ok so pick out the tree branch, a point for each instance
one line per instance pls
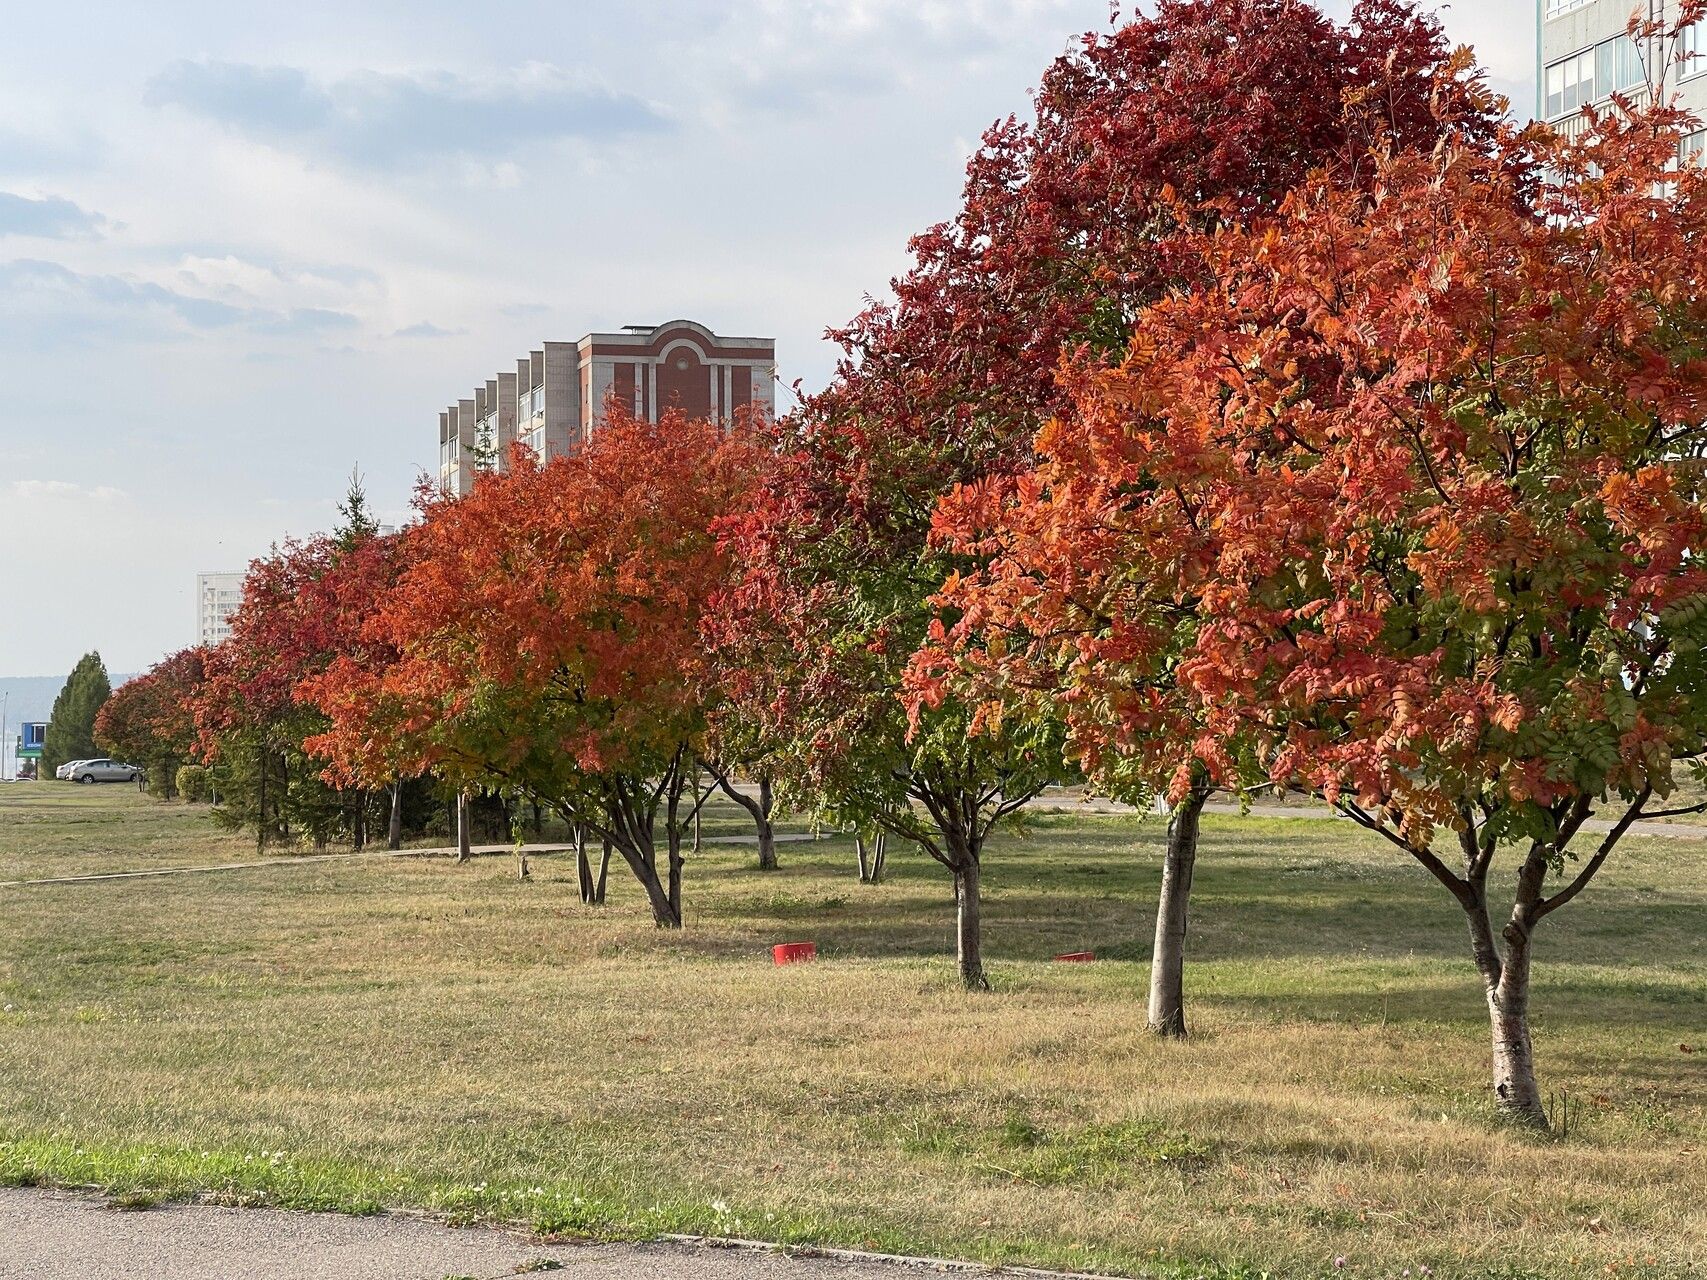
(1593, 865)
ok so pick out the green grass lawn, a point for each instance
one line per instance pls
(413, 1032)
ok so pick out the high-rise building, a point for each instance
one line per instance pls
(554, 399)
(217, 598)
(1585, 55)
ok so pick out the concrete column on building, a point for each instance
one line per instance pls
(536, 381)
(444, 451)
(562, 366)
(465, 435)
(506, 416)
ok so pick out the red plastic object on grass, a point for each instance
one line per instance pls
(1076, 957)
(794, 952)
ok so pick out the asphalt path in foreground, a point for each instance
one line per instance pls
(48, 1235)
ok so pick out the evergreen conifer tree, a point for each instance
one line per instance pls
(71, 725)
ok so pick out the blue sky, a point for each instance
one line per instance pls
(244, 249)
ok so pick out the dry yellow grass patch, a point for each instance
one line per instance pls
(418, 1032)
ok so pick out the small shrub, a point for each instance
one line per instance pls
(194, 784)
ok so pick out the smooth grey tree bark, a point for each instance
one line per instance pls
(758, 808)
(872, 855)
(603, 877)
(1505, 970)
(968, 933)
(767, 834)
(464, 837)
(1167, 956)
(583, 867)
(394, 837)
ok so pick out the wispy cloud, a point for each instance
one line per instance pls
(390, 120)
(47, 217)
(64, 490)
(427, 329)
(47, 302)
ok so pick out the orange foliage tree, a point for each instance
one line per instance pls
(547, 632)
(304, 606)
(151, 719)
(1062, 236)
(1403, 506)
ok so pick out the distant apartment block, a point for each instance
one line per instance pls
(217, 598)
(555, 398)
(1586, 56)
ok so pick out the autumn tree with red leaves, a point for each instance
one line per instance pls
(548, 639)
(1405, 505)
(151, 719)
(304, 607)
(1066, 231)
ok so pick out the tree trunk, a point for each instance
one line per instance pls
(665, 902)
(604, 877)
(969, 944)
(583, 868)
(394, 838)
(464, 837)
(872, 856)
(767, 834)
(1167, 958)
(1515, 1087)
(1505, 980)
(675, 855)
(261, 804)
(760, 811)
(358, 836)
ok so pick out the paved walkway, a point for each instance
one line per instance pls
(57, 1236)
(1069, 802)
(309, 859)
(1063, 803)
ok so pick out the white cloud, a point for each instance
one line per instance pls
(63, 491)
(305, 189)
(389, 120)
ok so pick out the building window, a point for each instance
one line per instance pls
(1693, 47)
(1694, 147)
(1609, 67)
(1556, 7)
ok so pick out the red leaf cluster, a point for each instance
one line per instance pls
(554, 613)
(1404, 500)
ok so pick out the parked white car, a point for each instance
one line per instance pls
(104, 771)
(63, 773)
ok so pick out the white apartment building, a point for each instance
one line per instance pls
(1584, 56)
(556, 396)
(217, 598)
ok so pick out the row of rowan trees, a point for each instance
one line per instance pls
(1273, 415)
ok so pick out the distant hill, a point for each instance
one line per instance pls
(32, 698)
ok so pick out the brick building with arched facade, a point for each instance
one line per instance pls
(557, 394)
